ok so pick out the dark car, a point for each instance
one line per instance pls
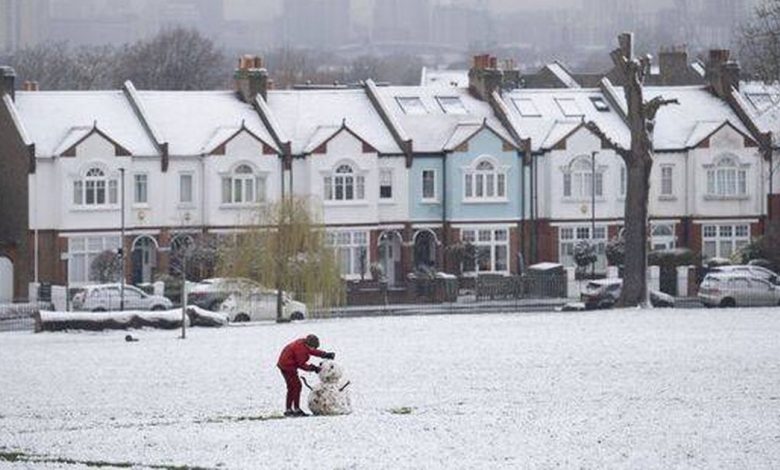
(604, 293)
(210, 293)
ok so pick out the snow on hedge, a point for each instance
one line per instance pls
(119, 320)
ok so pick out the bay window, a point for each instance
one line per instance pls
(727, 178)
(579, 181)
(82, 252)
(344, 185)
(492, 249)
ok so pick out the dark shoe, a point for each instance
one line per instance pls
(289, 413)
(300, 413)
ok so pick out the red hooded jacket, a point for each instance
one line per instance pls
(296, 355)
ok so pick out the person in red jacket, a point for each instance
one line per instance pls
(296, 356)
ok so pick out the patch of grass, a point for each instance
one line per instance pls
(11, 456)
(238, 419)
(402, 410)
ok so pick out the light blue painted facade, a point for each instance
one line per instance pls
(425, 210)
(485, 146)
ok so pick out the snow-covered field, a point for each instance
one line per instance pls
(620, 389)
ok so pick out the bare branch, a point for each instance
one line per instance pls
(595, 129)
(652, 106)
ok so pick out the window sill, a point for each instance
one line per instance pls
(667, 197)
(486, 201)
(713, 197)
(141, 205)
(235, 206)
(576, 200)
(190, 205)
(353, 203)
(430, 201)
(387, 202)
(95, 208)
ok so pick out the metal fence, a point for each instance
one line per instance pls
(20, 316)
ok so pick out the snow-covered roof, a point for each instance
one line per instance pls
(191, 121)
(698, 114)
(560, 72)
(547, 116)
(52, 119)
(444, 78)
(425, 120)
(310, 117)
(762, 102)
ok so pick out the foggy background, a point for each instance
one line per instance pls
(436, 33)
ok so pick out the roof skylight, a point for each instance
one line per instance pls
(411, 104)
(526, 107)
(451, 105)
(569, 107)
(599, 103)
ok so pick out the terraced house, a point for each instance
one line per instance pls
(402, 175)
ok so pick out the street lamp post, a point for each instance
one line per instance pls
(122, 243)
(593, 208)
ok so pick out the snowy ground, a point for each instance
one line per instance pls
(625, 389)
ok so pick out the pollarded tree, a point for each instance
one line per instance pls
(288, 250)
(640, 117)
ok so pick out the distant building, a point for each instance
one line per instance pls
(23, 23)
(315, 23)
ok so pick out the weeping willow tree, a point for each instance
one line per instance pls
(288, 250)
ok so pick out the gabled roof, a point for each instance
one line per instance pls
(548, 116)
(190, 120)
(223, 135)
(464, 132)
(52, 118)
(699, 113)
(761, 101)
(310, 117)
(431, 131)
(78, 134)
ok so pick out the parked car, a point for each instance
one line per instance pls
(210, 293)
(749, 270)
(107, 297)
(737, 289)
(604, 293)
(261, 306)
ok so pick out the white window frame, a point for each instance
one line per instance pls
(451, 105)
(570, 235)
(237, 185)
(578, 180)
(727, 179)
(667, 181)
(191, 200)
(82, 251)
(345, 184)
(386, 181)
(485, 184)
(412, 105)
(662, 236)
(350, 246)
(93, 183)
(140, 188)
(723, 240)
(435, 196)
(492, 241)
(623, 180)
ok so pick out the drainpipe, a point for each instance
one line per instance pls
(444, 228)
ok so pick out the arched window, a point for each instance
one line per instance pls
(485, 181)
(579, 181)
(94, 188)
(344, 185)
(726, 178)
(243, 186)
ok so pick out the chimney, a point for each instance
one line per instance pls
(485, 76)
(251, 78)
(673, 66)
(30, 86)
(7, 79)
(722, 73)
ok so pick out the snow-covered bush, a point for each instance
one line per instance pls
(584, 255)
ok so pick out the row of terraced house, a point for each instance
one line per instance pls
(400, 173)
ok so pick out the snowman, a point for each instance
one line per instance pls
(330, 396)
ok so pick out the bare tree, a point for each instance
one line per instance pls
(759, 42)
(56, 66)
(639, 164)
(175, 59)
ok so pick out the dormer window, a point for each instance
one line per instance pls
(599, 104)
(411, 105)
(451, 105)
(485, 181)
(344, 185)
(95, 189)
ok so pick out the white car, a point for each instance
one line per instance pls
(107, 297)
(735, 289)
(261, 306)
(750, 271)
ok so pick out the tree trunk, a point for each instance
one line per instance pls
(635, 233)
